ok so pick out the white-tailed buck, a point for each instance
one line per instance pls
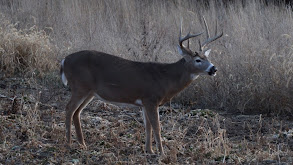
(124, 82)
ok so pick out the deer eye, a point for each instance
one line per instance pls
(198, 60)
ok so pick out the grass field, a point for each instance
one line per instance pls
(243, 115)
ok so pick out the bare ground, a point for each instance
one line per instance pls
(32, 131)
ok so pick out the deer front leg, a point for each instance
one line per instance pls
(76, 120)
(70, 109)
(72, 106)
(148, 131)
(153, 116)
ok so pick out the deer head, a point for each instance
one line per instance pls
(197, 62)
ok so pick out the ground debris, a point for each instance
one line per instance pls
(35, 134)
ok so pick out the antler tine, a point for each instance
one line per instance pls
(216, 27)
(180, 43)
(209, 40)
(206, 27)
(188, 36)
(200, 49)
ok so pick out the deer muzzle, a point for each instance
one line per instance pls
(212, 71)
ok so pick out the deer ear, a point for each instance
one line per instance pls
(180, 50)
(206, 53)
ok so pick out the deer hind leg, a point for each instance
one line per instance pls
(153, 116)
(76, 120)
(148, 131)
(74, 103)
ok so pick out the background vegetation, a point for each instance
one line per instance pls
(254, 59)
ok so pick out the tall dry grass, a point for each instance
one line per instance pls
(254, 57)
(27, 51)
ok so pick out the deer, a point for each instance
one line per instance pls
(119, 81)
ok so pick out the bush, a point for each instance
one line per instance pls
(29, 51)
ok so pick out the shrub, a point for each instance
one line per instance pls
(28, 51)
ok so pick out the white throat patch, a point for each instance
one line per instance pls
(193, 76)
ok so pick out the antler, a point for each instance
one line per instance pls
(188, 36)
(209, 40)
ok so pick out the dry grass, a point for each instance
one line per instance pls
(32, 132)
(28, 52)
(254, 58)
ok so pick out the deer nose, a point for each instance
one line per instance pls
(213, 70)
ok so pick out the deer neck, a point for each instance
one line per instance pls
(179, 77)
(182, 73)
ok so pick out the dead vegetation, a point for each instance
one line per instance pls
(33, 132)
(27, 52)
(254, 57)
(255, 75)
